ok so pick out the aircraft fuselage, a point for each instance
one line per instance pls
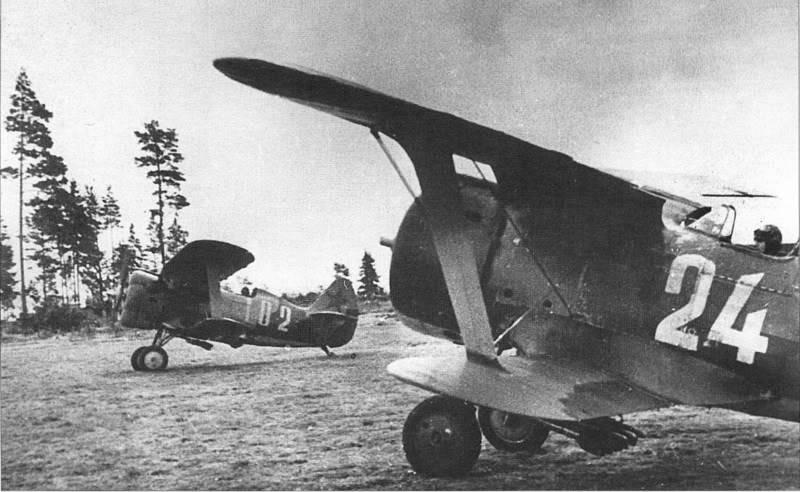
(262, 319)
(569, 281)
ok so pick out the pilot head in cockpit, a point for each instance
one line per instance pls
(768, 239)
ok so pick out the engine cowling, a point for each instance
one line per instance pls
(143, 305)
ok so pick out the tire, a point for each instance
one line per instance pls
(153, 358)
(511, 432)
(441, 437)
(135, 358)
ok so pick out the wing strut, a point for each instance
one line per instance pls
(440, 198)
(214, 296)
(524, 237)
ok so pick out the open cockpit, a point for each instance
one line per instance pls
(719, 222)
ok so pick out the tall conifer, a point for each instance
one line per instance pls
(369, 287)
(27, 118)
(7, 280)
(160, 156)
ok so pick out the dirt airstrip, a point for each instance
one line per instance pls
(76, 416)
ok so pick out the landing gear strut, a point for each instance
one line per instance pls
(442, 437)
(152, 357)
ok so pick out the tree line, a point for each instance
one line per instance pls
(60, 221)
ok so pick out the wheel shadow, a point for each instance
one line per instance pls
(189, 369)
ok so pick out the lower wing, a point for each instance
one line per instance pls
(544, 387)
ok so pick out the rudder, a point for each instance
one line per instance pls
(338, 297)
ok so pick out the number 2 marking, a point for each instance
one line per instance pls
(674, 328)
(670, 330)
(285, 312)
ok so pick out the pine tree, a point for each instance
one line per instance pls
(153, 246)
(88, 222)
(47, 253)
(369, 287)
(110, 216)
(126, 254)
(7, 280)
(134, 245)
(176, 237)
(48, 221)
(28, 118)
(161, 158)
(340, 270)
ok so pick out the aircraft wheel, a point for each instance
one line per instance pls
(135, 358)
(153, 358)
(511, 432)
(441, 437)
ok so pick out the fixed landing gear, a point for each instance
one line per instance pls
(152, 357)
(149, 358)
(442, 436)
(510, 432)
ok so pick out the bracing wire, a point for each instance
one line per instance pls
(510, 219)
(393, 162)
(525, 242)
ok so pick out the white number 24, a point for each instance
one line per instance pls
(674, 330)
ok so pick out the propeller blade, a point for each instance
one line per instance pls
(739, 194)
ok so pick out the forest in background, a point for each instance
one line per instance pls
(65, 272)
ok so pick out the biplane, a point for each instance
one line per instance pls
(615, 298)
(185, 301)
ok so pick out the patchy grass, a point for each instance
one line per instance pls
(74, 415)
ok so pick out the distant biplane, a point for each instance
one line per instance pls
(617, 298)
(185, 301)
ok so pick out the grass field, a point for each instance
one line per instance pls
(76, 416)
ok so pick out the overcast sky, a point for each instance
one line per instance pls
(707, 88)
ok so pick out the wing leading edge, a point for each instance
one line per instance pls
(405, 121)
(540, 387)
(545, 387)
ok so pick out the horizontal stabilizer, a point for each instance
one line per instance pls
(543, 387)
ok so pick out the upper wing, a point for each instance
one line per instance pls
(592, 208)
(399, 119)
(189, 266)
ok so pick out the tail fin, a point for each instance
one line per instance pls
(338, 297)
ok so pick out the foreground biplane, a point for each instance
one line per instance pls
(617, 298)
(185, 301)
